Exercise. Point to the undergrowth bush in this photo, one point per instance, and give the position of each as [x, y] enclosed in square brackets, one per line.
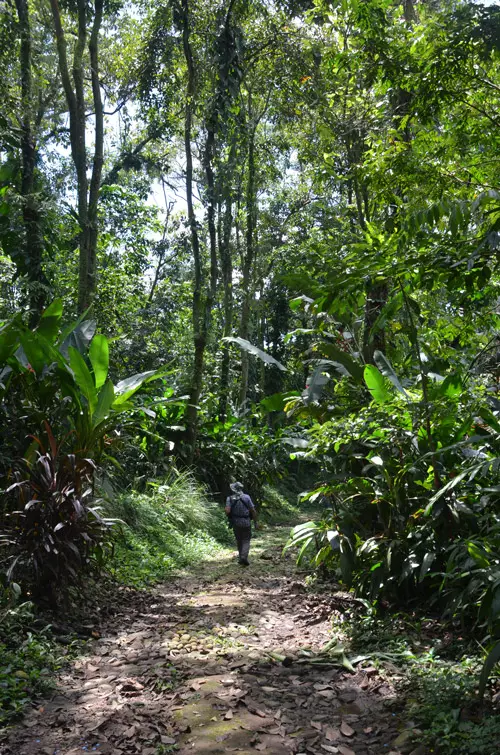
[174, 525]
[52, 535]
[438, 680]
[28, 658]
[278, 505]
[444, 708]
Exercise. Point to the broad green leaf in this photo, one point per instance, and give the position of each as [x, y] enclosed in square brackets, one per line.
[426, 564]
[99, 358]
[35, 352]
[387, 370]
[477, 554]
[79, 337]
[255, 351]
[304, 548]
[126, 388]
[377, 384]
[83, 377]
[104, 402]
[277, 402]
[49, 322]
[337, 355]
[451, 386]
[491, 661]
[9, 340]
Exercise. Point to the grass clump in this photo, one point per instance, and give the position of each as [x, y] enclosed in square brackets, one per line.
[174, 525]
[278, 505]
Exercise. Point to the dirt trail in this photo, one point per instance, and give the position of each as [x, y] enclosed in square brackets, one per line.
[187, 667]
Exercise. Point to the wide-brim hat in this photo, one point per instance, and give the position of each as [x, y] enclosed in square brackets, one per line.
[236, 487]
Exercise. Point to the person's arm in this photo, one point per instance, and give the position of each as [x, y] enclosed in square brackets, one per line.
[253, 512]
[228, 506]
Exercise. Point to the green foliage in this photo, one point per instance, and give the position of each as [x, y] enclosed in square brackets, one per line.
[62, 377]
[173, 526]
[445, 710]
[58, 383]
[52, 534]
[28, 659]
[278, 504]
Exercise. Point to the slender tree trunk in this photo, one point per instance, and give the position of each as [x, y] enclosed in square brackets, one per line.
[33, 240]
[74, 90]
[199, 343]
[227, 283]
[246, 283]
[88, 287]
[204, 313]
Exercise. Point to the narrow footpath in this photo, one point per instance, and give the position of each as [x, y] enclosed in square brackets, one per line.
[214, 662]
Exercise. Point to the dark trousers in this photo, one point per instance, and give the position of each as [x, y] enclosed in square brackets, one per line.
[243, 535]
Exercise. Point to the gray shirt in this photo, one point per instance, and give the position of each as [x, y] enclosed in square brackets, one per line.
[241, 506]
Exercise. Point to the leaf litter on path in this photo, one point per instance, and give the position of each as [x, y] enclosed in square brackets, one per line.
[212, 665]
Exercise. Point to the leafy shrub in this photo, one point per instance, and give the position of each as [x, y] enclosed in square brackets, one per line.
[444, 709]
[28, 658]
[54, 382]
[51, 532]
[278, 504]
[60, 376]
[234, 450]
[173, 526]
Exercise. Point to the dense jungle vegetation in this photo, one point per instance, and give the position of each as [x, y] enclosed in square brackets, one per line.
[255, 240]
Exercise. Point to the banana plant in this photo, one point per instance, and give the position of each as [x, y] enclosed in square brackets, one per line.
[71, 364]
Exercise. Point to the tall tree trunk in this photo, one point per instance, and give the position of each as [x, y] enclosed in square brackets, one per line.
[74, 91]
[227, 283]
[191, 414]
[33, 239]
[246, 283]
[88, 287]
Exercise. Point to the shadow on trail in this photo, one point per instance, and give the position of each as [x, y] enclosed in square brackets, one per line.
[204, 664]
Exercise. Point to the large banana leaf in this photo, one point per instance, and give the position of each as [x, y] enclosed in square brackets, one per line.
[79, 337]
[9, 340]
[50, 320]
[99, 358]
[387, 370]
[377, 384]
[104, 402]
[342, 359]
[83, 377]
[126, 388]
[256, 352]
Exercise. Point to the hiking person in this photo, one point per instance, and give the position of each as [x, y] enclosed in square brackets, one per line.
[240, 512]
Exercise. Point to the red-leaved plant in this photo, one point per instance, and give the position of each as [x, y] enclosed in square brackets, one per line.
[52, 533]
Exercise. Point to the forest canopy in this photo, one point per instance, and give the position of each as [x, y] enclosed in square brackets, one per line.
[256, 240]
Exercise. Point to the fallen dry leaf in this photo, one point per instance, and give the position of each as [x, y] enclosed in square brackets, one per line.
[332, 734]
[347, 730]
